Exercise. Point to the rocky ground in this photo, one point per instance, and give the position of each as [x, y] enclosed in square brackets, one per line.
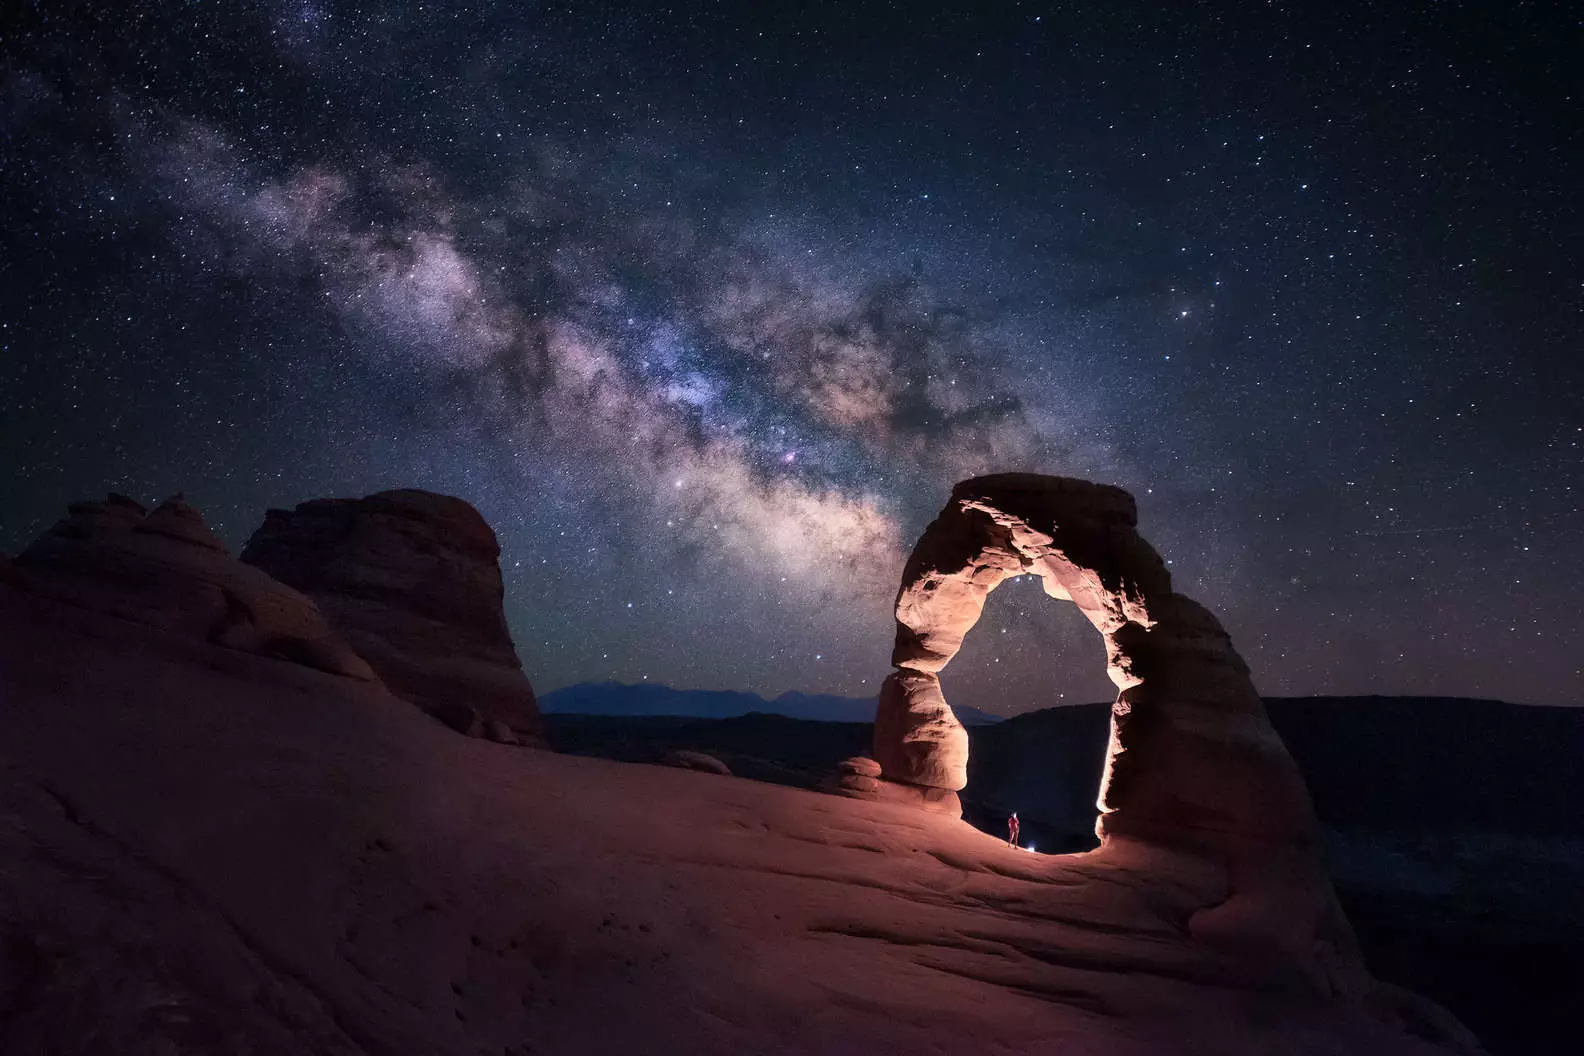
[203, 849]
[1460, 864]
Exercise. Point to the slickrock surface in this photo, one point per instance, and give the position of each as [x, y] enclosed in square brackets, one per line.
[413, 580]
[1193, 764]
[168, 570]
[204, 851]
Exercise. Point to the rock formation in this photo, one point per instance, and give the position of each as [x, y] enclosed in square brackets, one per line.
[167, 569]
[1193, 764]
[290, 862]
[413, 580]
[859, 778]
[204, 852]
[700, 761]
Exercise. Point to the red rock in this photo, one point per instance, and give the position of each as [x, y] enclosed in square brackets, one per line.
[700, 761]
[412, 579]
[917, 737]
[178, 519]
[460, 717]
[168, 570]
[861, 765]
[1193, 762]
[859, 782]
[500, 733]
[205, 851]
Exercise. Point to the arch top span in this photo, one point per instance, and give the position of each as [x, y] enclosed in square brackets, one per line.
[1080, 538]
[1192, 758]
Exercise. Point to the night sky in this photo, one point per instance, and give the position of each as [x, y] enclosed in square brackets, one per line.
[706, 307]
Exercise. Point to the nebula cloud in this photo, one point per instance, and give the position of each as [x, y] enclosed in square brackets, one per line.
[418, 294]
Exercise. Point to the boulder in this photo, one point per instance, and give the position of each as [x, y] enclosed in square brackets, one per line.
[860, 766]
[460, 717]
[500, 733]
[858, 783]
[412, 579]
[166, 569]
[701, 761]
[859, 778]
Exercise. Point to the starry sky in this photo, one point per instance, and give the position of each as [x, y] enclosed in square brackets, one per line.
[706, 306]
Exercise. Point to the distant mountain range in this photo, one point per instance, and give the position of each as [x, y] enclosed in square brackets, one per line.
[646, 698]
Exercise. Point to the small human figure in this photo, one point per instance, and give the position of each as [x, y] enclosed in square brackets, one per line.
[1012, 830]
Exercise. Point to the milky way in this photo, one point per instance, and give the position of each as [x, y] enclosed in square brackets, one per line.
[706, 311]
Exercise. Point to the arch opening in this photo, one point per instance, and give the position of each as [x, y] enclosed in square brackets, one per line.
[1025, 654]
[1037, 661]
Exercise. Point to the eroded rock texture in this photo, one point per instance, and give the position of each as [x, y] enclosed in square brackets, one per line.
[165, 568]
[413, 580]
[1193, 764]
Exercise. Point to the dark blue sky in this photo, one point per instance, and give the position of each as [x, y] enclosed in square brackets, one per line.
[706, 308]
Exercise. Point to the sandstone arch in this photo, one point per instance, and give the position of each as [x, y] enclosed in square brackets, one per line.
[1192, 759]
[1196, 782]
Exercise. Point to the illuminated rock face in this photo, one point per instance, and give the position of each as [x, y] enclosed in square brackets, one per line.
[166, 569]
[1193, 770]
[1192, 759]
[413, 580]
